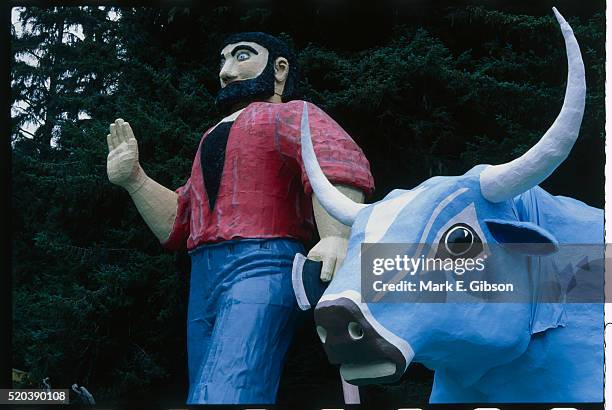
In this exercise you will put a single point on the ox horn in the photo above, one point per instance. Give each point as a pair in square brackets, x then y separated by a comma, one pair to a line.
[505, 181]
[333, 201]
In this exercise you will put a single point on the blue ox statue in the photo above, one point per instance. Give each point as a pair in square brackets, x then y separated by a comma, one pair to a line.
[480, 352]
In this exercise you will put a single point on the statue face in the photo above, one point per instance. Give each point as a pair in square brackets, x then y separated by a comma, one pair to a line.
[246, 75]
[242, 61]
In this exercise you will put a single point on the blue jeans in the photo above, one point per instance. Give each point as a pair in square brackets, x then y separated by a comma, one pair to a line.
[241, 318]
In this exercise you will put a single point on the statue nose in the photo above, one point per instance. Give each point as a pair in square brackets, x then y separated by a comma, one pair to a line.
[341, 328]
[227, 74]
[355, 331]
[354, 340]
[226, 79]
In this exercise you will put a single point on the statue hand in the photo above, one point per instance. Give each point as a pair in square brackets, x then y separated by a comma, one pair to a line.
[122, 164]
[330, 250]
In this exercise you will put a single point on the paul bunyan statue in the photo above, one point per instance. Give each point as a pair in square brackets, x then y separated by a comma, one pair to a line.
[245, 211]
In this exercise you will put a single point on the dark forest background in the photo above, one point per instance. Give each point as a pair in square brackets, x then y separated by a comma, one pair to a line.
[424, 88]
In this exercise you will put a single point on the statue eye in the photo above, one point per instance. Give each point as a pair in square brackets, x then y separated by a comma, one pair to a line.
[461, 240]
[243, 55]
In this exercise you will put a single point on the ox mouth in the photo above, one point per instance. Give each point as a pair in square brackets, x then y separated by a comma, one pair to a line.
[365, 373]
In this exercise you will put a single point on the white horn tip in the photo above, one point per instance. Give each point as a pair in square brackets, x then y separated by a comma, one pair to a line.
[564, 25]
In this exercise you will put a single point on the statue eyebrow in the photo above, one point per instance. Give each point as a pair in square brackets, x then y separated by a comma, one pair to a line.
[243, 47]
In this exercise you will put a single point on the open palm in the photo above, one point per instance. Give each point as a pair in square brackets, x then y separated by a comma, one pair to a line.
[122, 163]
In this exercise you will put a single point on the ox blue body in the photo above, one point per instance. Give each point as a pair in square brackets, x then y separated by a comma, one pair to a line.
[491, 352]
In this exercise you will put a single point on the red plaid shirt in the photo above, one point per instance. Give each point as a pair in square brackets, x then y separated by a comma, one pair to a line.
[264, 190]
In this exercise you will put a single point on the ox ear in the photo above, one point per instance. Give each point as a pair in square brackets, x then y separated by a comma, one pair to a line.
[525, 237]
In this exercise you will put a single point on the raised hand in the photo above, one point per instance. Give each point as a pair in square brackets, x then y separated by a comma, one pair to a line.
[122, 165]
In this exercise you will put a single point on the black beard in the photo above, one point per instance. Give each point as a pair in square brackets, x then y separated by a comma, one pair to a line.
[259, 88]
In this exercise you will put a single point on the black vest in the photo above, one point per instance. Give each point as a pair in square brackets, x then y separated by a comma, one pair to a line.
[212, 158]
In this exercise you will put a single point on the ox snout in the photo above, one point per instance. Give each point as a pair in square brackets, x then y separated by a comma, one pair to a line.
[357, 343]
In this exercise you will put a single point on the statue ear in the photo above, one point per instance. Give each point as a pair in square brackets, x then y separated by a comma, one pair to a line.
[281, 69]
[525, 237]
[531, 239]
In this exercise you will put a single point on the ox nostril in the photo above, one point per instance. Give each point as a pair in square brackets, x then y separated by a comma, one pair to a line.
[322, 333]
[355, 330]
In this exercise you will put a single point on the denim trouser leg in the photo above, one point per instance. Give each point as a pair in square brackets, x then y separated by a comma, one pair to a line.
[242, 316]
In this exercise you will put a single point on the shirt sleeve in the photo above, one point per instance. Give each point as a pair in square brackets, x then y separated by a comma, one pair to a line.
[340, 158]
[180, 230]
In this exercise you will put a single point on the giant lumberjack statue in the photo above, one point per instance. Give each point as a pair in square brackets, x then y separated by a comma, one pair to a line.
[243, 214]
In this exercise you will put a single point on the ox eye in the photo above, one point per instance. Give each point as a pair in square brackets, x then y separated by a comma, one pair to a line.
[460, 240]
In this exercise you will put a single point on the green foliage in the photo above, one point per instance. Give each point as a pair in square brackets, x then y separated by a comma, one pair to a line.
[95, 299]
